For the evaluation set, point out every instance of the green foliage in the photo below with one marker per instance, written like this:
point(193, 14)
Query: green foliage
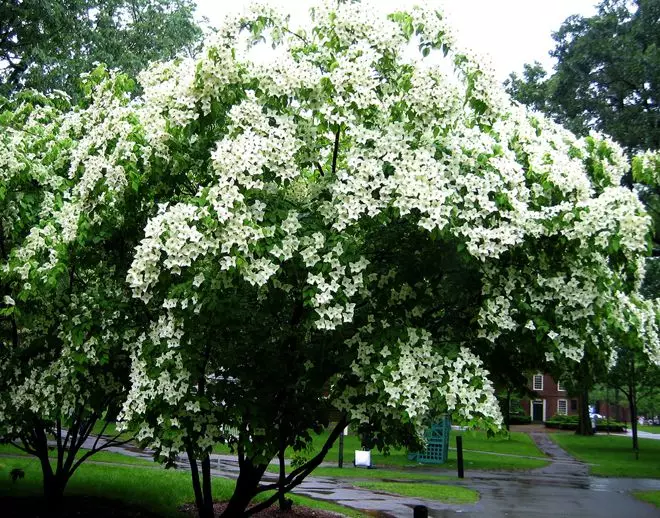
point(570, 422)
point(607, 76)
point(47, 45)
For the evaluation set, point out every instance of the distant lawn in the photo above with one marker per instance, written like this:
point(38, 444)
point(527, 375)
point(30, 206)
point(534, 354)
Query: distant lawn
point(518, 444)
point(649, 428)
point(102, 456)
point(157, 490)
point(652, 497)
point(612, 456)
point(111, 431)
point(446, 494)
point(350, 472)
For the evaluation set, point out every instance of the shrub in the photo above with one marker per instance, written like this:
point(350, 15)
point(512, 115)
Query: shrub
point(570, 422)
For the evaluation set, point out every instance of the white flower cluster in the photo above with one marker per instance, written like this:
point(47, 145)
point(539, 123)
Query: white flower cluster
point(412, 376)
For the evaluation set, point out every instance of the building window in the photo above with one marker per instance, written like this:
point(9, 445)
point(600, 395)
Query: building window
point(562, 407)
point(560, 387)
point(538, 382)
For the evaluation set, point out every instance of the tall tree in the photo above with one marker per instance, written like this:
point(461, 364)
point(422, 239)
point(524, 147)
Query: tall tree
point(607, 75)
point(48, 44)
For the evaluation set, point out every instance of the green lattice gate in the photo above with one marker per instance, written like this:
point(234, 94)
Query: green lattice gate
point(437, 444)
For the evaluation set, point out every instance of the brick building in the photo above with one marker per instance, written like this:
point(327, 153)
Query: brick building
point(551, 398)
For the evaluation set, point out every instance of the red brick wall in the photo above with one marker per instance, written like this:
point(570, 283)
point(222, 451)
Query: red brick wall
point(551, 395)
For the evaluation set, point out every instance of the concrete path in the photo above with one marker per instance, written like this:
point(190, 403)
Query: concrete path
point(561, 489)
point(640, 433)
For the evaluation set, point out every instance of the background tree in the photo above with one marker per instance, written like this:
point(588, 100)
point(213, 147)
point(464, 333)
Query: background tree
point(47, 44)
point(607, 75)
point(607, 79)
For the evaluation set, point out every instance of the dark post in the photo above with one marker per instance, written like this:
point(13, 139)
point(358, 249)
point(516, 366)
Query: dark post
point(420, 511)
point(459, 455)
point(340, 460)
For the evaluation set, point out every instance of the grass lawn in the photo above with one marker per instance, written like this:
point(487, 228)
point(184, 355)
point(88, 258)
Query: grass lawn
point(612, 456)
point(111, 431)
point(157, 490)
point(102, 456)
point(348, 471)
point(446, 494)
point(652, 497)
point(649, 428)
point(518, 444)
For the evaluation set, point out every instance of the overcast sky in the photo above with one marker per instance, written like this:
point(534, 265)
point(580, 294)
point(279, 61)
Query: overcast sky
point(512, 32)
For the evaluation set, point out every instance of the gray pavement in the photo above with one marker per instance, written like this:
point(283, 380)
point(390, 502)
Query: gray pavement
point(561, 489)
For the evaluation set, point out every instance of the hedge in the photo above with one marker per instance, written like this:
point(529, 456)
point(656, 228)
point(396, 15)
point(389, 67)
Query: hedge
point(570, 422)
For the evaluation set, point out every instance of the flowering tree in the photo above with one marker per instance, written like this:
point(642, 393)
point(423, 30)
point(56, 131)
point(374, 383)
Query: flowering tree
point(67, 314)
point(342, 226)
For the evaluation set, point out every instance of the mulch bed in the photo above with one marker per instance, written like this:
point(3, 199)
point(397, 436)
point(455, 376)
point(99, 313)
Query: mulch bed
point(72, 506)
point(274, 510)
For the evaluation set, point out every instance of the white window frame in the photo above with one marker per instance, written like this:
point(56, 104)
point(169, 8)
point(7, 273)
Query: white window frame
point(534, 381)
point(565, 406)
point(560, 388)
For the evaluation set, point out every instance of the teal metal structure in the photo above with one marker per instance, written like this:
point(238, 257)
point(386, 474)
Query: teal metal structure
point(437, 444)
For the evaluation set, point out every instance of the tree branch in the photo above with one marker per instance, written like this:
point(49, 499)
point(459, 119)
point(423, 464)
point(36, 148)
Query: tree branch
point(335, 152)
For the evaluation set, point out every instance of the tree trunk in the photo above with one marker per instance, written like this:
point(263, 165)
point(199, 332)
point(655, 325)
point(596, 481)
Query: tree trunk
point(206, 486)
point(285, 503)
point(203, 496)
point(507, 413)
point(633, 421)
point(246, 485)
point(584, 423)
point(54, 485)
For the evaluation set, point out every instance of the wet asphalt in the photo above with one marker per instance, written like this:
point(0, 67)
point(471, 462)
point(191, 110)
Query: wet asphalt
point(561, 489)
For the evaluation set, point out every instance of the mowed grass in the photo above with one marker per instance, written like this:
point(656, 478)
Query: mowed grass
point(350, 472)
point(111, 431)
point(612, 456)
point(652, 497)
point(649, 428)
point(446, 494)
point(102, 456)
point(156, 490)
point(494, 457)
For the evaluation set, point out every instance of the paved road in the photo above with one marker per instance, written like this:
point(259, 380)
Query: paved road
point(562, 489)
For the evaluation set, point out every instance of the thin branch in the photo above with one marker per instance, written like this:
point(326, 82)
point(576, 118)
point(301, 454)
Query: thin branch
point(320, 169)
point(25, 447)
point(304, 40)
point(98, 435)
point(298, 474)
point(335, 152)
point(89, 453)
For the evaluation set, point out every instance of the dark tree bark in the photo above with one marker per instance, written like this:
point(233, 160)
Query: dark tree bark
point(204, 505)
point(246, 488)
point(584, 423)
point(206, 487)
